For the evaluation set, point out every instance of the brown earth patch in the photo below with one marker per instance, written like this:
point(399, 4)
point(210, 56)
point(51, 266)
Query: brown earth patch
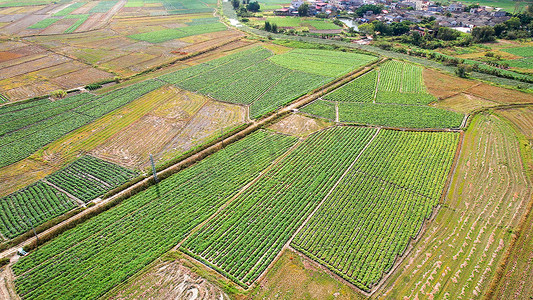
point(81, 78)
point(522, 118)
point(299, 125)
point(464, 103)
point(443, 86)
point(4, 56)
point(499, 94)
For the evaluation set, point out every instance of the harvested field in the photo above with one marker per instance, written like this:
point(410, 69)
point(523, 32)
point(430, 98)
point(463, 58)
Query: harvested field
point(81, 78)
point(31, 90)
point(132, 146)
point(4, 55)
point(443, 86)
point(293, 276)
point(210, 121)
point(169, 280)
point(22, 174)
point(461, 248)
point(522, 118)
point(299, 125)
point(464, 103)
point(41, 63)
point(499, 94)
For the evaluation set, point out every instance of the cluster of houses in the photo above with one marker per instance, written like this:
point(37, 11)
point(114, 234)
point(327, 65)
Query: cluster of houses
point(453, 15)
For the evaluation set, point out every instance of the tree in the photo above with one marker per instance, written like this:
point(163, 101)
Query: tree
point(382, 28)
point(253, 6)
point(447, 34)
point(499, 29)
point(274, 28)
point(399, 28)
point(483, 34)
point(376, 9)
point(513, 23)
point(463, 70)
point(59, 94)
point(267, 26)
point(235, 4)
point(416, 38)
point(366, 28)
point(303, 10)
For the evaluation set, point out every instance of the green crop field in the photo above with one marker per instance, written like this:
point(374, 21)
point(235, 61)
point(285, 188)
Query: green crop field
point(296, 22)
point(255, 77)
point(379, 206)
point(90, 177)
point(315, 61)
point(362, 89)
point(171, 34)
point(44, 23)
point(114, 245)
point(26, 127)
point(31, 206)
point(520, 51)
point(405, 116)
point(244, 239)
point(85, 179)
point(321, 108)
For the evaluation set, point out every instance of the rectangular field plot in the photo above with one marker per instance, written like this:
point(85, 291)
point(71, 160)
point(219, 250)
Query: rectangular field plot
point(243, 239)
point(32, 205)
point(112, 246)
point(90, 177)
point(322, 62)
point(362, 89)
point(24, 128)
point(171, 34)
point(401, 116)
point(380, 205)
point(252, 77)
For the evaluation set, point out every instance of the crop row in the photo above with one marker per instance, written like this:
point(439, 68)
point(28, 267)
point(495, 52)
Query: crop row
point(90, 177)
point(379, 206)
point(80, 20)
point(170, 34)
point(32, 205)
point(243, 239)
point(322, 62)
point(104, 251)
point(34, 125)
point(324, 109)
point(392, 115)
point(362, 89)
point(396, 76)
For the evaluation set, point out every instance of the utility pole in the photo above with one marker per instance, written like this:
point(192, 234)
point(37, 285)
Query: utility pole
point(34, 232)
point(153, 168)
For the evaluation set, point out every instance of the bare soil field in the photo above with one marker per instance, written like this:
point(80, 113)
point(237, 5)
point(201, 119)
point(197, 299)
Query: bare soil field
point(133, 145)
point(522, 118)
point(443, 86)
point(464, 244)
point(300, 125)
point(293, 276)
point(464, 103)
point(169, 280)
point(500, 95)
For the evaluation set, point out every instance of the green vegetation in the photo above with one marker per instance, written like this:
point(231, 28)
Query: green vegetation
point(90, 177)
point(520, 51)
point(32, 205)
point(298, 22)
point(44, 23)
point(3, 99)
point(380, 205)
point(112, 246)
point(362, 89)
point(321, 108)
point(81, 20)
point(243, 239)
point(69, 9)
point(404, 116)
point(102, 6)
point(170, 34)
point(322, 62)
point(250, 77)
point(26, 127)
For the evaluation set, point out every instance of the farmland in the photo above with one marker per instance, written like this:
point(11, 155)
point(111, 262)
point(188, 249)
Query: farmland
point(390, 97)
point(190, 196)
point(83, 180)
point(286, 169)
point(242, 244)
point(462, 247)
point(379, 193)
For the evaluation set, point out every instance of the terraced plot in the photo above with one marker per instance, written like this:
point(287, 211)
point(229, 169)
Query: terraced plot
point(264, 82)
point(107, 249)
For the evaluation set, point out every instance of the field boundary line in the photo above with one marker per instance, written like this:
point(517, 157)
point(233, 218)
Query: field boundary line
point(377, 85)
point(287, 245)
point(242, 190)
point(80, 203)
